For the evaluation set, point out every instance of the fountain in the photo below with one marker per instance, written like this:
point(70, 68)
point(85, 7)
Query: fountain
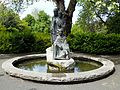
point(59, 65)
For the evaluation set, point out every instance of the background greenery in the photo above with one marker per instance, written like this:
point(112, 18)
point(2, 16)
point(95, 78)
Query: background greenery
point(96, 31)
point(95, 43)
point(23, 36)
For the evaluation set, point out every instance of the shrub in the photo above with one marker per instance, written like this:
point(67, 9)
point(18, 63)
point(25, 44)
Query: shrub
point(42, 42)
point(23, 42)
point(95, 43)
point(16, 42)
point(5, 45)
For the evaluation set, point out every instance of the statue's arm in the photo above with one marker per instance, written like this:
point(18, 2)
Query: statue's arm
point(57, 43)
point(51, 28)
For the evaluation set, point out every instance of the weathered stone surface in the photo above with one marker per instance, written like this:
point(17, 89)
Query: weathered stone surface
point(106, 69)
point(61, 65)
point(49, 53)
point(58, 65)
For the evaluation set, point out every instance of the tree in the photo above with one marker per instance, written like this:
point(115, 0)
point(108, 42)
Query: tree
point(10, 21)
point(7, 17)
point(94, 13)
point(68, 13)
point(30, 19)
point(44, 22)
point(113, 24)
point(40, 24)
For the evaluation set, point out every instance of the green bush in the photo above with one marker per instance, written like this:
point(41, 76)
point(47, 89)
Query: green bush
point(16, 42)
point(42, 41)
point(5, 45)
point(23, 42)
point(95, 43)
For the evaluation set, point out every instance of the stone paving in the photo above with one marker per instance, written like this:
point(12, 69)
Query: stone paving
point(109, 83)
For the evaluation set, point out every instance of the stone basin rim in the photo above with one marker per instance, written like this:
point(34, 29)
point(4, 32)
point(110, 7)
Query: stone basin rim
point(106, 69)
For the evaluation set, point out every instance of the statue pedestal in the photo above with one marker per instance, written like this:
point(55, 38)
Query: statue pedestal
point(58, 65)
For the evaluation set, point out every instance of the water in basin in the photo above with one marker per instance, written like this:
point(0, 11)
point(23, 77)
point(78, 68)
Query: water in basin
point(40, 65)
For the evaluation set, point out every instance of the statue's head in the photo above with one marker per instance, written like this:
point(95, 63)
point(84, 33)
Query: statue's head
point(56, 12)
point(60, 15)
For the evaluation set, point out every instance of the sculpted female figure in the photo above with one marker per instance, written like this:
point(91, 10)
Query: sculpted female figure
point(54, 25)
point(61, 48)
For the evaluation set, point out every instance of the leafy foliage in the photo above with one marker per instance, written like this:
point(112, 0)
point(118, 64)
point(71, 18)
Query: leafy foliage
point(23, 42)
point(42, 24)
point(67, 11)
point(15, 42)
point(94, 14)
point(16, 35)
point(76, 29)
point(30, 19)
point(95, 43)
point(10, 21)
point(113, 24)
point(42, 41)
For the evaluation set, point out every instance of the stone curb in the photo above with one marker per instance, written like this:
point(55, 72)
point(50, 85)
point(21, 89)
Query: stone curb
point(104, 70)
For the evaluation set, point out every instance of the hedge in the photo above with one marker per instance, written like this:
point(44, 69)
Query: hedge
point(95, 43)
point(23, 42)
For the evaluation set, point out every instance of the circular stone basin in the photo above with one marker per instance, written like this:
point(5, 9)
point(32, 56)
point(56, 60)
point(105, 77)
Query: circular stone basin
point(98, 68)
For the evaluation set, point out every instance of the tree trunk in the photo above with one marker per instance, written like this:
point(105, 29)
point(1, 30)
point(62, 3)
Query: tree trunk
point(60, 4)
point(68, 14)
point(68, 25)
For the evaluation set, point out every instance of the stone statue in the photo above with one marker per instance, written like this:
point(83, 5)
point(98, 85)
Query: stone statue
point(60, 22)
point(58, 55)
point(54, 25)
point(61, 48)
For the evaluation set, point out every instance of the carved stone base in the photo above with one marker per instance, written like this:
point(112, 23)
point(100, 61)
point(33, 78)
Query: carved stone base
point(58, 65)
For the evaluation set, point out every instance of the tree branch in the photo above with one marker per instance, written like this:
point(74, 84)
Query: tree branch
point(68, 14)
point(71, 7)
point(100, 17)
point(97, 13)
